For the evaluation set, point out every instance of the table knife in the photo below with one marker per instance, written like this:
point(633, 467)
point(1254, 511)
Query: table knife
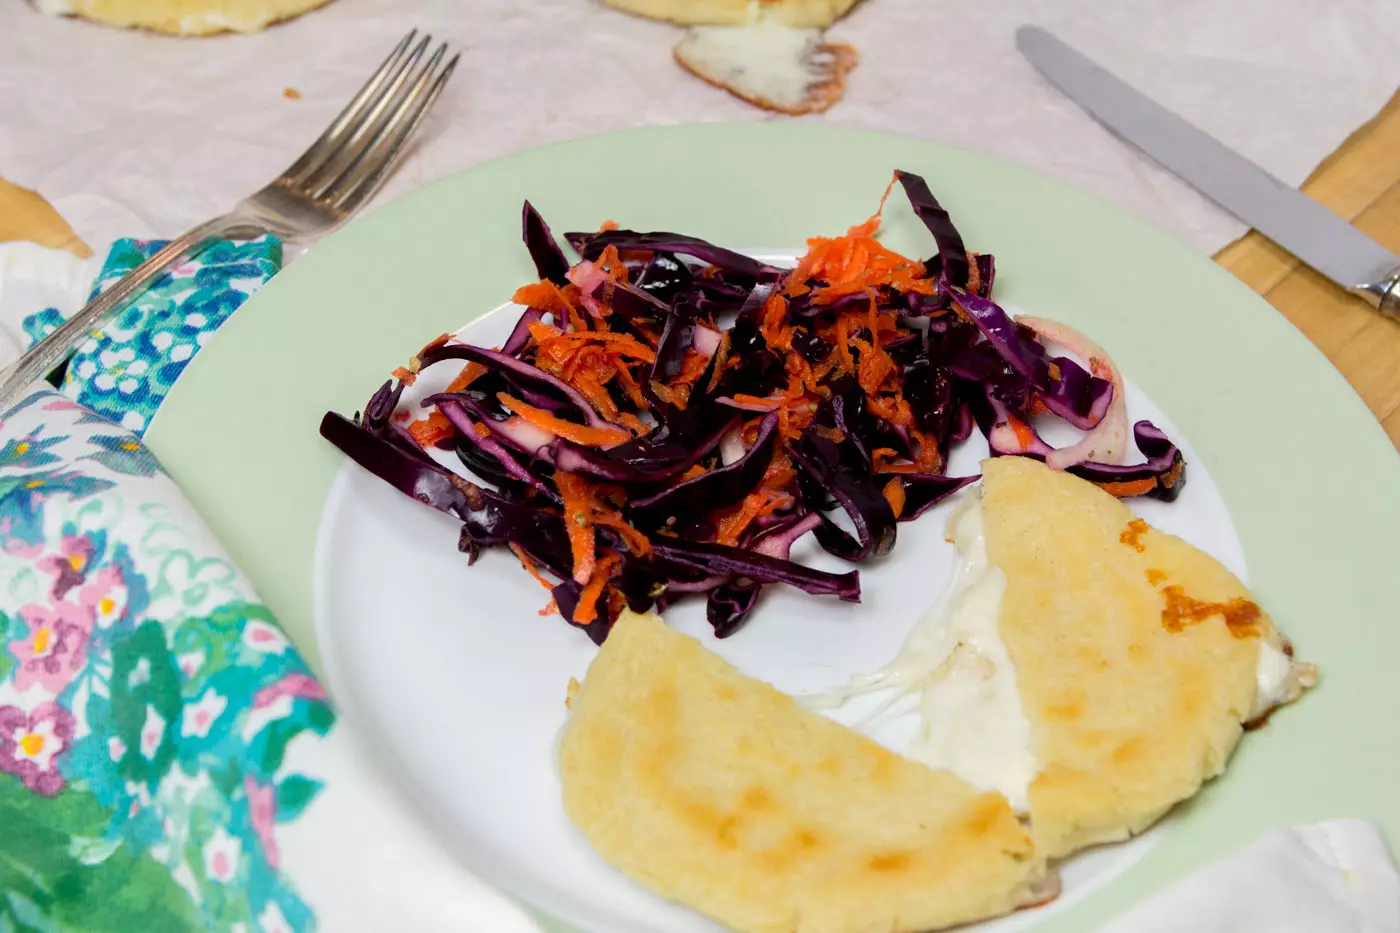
point(1284, 214)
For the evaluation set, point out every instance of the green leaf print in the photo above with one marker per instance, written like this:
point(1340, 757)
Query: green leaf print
point(46, 888)
point(276, 736)
point(216, 636)
point(293, 794)
point(145, 703)
point(121, 453)
point(7, 632)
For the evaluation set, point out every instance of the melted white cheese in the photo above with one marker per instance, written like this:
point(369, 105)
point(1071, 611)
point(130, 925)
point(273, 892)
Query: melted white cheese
point(957, 666)
point(764, 61)
point(1276, 680)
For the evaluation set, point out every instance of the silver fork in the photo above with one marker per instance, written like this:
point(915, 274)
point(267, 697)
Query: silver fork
point(317, 193)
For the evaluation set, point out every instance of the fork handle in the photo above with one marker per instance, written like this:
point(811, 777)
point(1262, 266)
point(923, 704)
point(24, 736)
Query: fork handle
point(53, 349)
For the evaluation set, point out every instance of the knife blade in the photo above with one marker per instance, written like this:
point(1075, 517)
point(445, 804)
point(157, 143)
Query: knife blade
point(1284, 214)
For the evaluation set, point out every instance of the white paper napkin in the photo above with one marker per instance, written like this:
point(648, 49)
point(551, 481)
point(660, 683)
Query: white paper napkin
point(33, 277)
point(1331, 877)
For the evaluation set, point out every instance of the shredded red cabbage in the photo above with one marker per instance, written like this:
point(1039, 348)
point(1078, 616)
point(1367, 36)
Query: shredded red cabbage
point(668, 416)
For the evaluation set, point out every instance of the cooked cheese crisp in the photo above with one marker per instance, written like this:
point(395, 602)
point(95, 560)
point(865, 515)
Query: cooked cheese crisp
point(183, 17)
point(716, 790)
point(776, 67)
point(1138, 656)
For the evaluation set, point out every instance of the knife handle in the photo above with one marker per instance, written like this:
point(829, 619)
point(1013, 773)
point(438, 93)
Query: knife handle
point(1383, 293)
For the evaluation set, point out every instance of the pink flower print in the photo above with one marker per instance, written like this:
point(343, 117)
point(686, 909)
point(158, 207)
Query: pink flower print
point(62, 404)
point(69, 565)
point(17, 548)
point(152, 730)
point(262, 812)
point(30, 745)
point(263, 637)
point(293, 685)
point(115, 747)
point(54, 650)
point(104, 596)
point(199, 716)
point(222, 853)
point(190, 663)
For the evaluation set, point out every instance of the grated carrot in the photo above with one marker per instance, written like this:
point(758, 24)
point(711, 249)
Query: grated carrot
point(929, 458)
point(430, 430)
point(466, 377)
point(1133, 487)
point(637, 542)
point(893, 409)
point(587, 383)
point(894, 495)
point(547, 296)
point(678, 397)
point(611, 263)
point(768, 403)
point(578, 523)
point(1024, 435)
point(780, 472)
point(693, 366)
point(629, 384)
point(416, 363)
point(974, 275)
point(560, 345)
point(775, 312)
point(578, 433)
point(853, 263)
point(756, 504)
point(529, 566)
point(586, 612)
point(406, 376)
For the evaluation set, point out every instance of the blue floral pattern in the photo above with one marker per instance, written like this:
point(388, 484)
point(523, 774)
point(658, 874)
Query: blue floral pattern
point(125, 370)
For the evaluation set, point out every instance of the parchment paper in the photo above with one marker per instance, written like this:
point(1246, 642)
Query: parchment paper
point(135, 134)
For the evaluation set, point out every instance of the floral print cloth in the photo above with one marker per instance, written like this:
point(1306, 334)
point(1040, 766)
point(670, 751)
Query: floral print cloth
point(147, 698)
point(167, 760)
point(125, 370)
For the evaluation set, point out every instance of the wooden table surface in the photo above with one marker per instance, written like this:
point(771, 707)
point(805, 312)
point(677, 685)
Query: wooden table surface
point(1360, 181)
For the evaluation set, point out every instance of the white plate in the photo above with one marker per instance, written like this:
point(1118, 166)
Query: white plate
point(461, 684)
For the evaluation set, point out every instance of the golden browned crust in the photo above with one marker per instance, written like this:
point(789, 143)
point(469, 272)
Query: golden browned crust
point(821, 94)
point(192, 17)
point(717, 790)
point(1135, 654)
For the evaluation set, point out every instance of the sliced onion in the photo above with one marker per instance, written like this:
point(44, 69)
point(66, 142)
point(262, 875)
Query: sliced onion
point(731, 446)
point(705, 341)
point(1107, 442)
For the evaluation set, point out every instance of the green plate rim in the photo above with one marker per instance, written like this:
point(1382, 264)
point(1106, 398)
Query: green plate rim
point(1311, 480)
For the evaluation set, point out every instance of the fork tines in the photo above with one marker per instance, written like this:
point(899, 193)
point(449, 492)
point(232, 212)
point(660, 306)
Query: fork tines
point(359, 150)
